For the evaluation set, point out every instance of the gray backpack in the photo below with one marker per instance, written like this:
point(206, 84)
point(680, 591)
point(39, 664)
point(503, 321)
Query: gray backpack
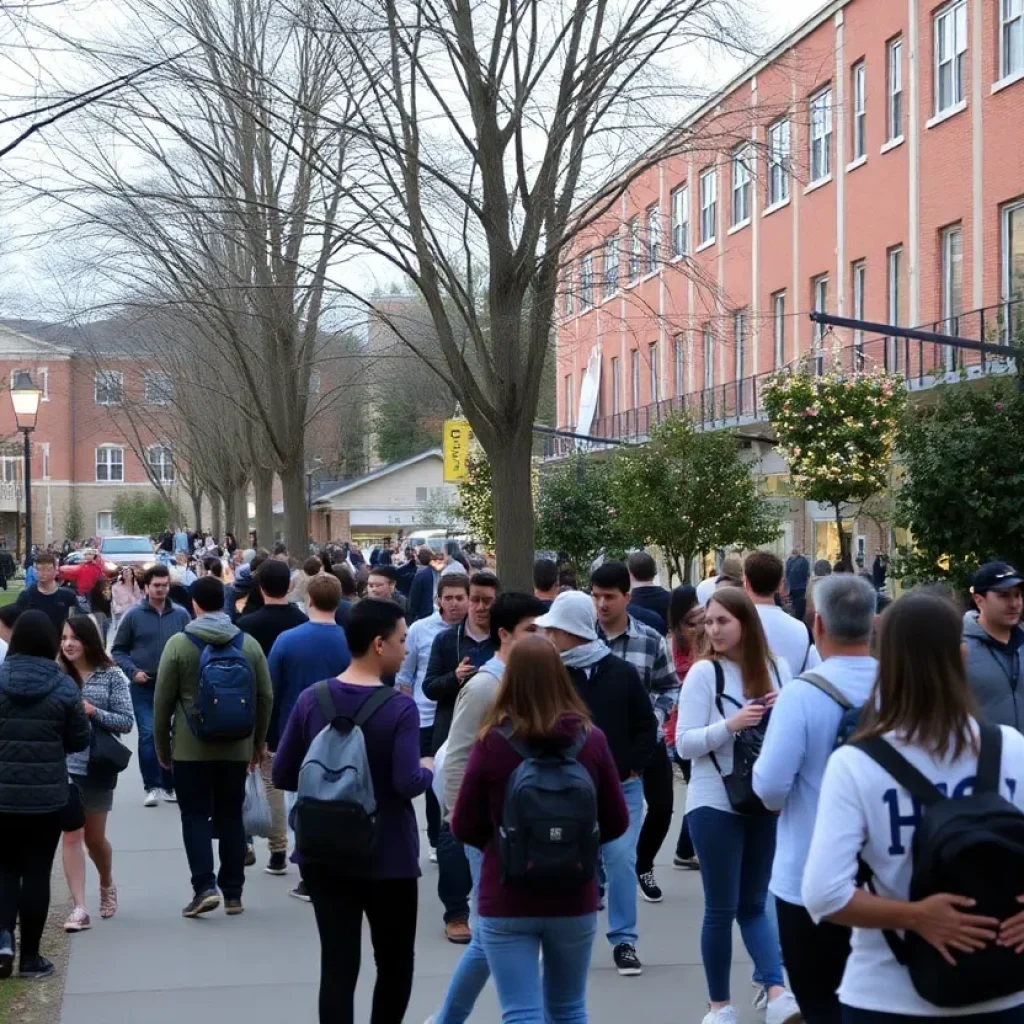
point(335, 814)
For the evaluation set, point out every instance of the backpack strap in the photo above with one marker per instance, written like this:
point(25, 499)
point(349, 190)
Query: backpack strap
point(819, 682)
point(377, 699)
point(322, 692)
point(892, 761)
point(522, 749)
point(990, 759)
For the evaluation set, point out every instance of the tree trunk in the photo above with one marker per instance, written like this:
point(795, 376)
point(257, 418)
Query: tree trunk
point(263, 486)
point(230, 514)
point(217, 526)
point(845, 555)
point(513, 512)
point(239, 526)
point(296, 520)
point(197, 510)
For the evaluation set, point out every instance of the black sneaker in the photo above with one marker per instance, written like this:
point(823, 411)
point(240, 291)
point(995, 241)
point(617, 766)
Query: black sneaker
point(686, 863)
point(233, 907)
point(250, 856)
point(6, 954)
point(278, 863)
point(300, 892)
point(35, 967)
point(649, 888)
point(626, 961)
point(202, 903)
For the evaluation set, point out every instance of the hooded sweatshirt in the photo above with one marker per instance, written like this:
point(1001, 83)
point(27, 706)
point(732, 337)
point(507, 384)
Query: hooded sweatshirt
point(41, 721)
point(176, 685)
point(993, 673)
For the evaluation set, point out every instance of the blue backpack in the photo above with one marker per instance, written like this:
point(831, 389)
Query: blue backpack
point(225, 702)
point(852, 714)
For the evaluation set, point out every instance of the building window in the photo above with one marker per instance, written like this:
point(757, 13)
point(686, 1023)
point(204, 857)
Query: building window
point(110, 464)
point(586, 282)
point(45, 449)
point(858, 283)
point(778, 162)
point(894, 288)
point(635, 377)
point(653, 238)
point(821, 135)
point(568, 400)
point(740, 186)
point(708, 205)
point(779, 327)
point(568, 299)
point(104, 524)
point(709, 358)
point(739, 334)
point(679, 362)
point(894, 91)
point(636, 249)
point(860, 140)
point(9, 468)
point(950, 55)
point(681, 221)
point(421, 494)
point(819, 302)
point(43, 380)
point(1012, 271)
point(616, 386)
point(952, 289)
point(158, 389)
point(611, 266)
point(108, 387)
point(161, 465)
point(1012, 37)
point(652, 358)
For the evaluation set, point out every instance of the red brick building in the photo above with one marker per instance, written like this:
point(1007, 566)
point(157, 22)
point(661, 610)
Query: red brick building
point(870, 166)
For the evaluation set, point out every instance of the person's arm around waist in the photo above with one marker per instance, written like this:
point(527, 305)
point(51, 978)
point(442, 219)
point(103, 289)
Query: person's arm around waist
point(784, 750)
point(120, 717)
point(408, 776)
point(696, 734)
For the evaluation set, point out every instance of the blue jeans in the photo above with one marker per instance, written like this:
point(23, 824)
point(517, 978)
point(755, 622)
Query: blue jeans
point(619, 860)
point(513, 946)
point(736, 853)
point(153, 776)
point(472, 972)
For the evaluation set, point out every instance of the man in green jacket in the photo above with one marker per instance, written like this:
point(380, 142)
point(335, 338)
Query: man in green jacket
point(209, 774)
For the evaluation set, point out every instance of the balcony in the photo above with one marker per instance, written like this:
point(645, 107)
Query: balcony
point(924, 365)
point(10, 496)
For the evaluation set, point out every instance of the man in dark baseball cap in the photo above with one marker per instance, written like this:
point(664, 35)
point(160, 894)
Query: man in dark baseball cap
point(994, 637)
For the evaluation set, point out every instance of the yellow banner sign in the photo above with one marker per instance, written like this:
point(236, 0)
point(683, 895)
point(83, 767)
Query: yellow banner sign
point(457, 437)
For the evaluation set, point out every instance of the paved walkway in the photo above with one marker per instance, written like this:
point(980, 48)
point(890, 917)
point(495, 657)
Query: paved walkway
point(150, 966)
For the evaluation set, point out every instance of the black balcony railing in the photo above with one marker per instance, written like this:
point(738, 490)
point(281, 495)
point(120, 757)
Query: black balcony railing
point(923, 363)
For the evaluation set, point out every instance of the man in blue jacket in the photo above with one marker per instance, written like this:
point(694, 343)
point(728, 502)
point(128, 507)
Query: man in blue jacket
point(141, 638)
point(420, 604)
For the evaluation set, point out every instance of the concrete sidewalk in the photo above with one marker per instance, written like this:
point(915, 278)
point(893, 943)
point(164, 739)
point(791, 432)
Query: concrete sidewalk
point(151, 966)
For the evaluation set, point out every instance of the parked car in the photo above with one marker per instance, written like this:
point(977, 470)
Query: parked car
point(115, 553)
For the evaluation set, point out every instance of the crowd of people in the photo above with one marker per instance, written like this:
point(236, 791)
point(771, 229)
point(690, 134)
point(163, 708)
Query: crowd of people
point(838, 760)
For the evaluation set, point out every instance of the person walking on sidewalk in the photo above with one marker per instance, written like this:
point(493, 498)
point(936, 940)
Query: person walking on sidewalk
point(620, 708)
point(141, 637)
point(108, 703)
point(42, 720)
point(45, 596)
point(383, 889)
point(210, 773)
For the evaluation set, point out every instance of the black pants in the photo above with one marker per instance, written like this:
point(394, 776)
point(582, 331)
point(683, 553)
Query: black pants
point(815, 957)
point(390, 906)
point(454, 881)
point(210, 797)
point(1011, 1016)
point(658, 787)
point(798, 604)
point(433, 807)
point(26, 859)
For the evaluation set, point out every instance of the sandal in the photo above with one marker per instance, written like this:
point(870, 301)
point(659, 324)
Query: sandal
point(108, 901)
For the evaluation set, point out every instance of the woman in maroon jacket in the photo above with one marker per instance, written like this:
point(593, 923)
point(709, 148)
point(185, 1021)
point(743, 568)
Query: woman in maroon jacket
point(540, 705)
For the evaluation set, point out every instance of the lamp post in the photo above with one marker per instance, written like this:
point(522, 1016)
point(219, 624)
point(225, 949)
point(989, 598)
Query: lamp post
point(25, 398)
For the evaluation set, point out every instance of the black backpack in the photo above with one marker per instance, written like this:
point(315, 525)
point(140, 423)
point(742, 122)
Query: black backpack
point(549, 834)
point(969, 846)
point(852, 713)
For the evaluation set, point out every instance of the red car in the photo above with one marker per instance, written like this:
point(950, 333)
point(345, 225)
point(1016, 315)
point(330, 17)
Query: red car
point(114, 552)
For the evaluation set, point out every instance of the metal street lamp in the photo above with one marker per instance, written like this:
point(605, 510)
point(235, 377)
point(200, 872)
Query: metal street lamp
point(25, 398)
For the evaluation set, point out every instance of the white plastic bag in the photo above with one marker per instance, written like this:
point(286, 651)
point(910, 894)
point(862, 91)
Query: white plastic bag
point(438, 783)
point(256, 807)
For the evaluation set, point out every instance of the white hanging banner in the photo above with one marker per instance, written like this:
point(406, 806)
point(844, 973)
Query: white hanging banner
point(590, 392)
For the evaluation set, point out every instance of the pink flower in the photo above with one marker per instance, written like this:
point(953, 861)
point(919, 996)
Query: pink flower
point(1000, 406)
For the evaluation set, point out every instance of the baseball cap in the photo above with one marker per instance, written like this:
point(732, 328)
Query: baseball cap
point(573, 612)
point(996, 576)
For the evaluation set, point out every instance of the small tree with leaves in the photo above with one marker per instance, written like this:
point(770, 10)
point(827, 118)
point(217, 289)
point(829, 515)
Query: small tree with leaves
point(687, 492)
point(476, 499)
point(145, 514)
point(837, 432)
point(74, 521)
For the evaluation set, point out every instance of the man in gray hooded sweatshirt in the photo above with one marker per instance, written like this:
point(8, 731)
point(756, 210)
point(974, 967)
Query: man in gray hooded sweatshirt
point(994, 637)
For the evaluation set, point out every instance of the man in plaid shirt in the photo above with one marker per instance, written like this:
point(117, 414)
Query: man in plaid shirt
point(646, 650)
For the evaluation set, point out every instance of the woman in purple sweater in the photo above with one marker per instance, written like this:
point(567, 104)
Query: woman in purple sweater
point(383, 889)
point(540, 704)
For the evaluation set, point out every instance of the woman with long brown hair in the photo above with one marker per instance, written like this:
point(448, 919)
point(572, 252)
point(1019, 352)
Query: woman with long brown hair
point(923, 711)
point(108, 703)
point(729, 692)
point(538, 718)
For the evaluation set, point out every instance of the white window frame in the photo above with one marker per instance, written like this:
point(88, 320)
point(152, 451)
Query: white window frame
point(634, 376)
point(893, 271)
point(950, 51)
point(858, 287)
point(739, 338)
point(653, 357)
point(1011, 38)
point(681, 221)
point(1006, 276)
point(819, 303)
point(44, 448)
point(709, 358)
point(106, 379)
point(616, 385)
point(779, 328)
point(610, 268)
point(820, 135)
point(43, 380)
point(10, 468)
point(162, 467)
point(108, 463)
point(105, 531)
point(653, 218)
point(587, 282)
point(741, 186)
point(568, 400)
point(859, 120)
point(569, 302)
point(894, 89)
point(708, 205)
point(636, 249)
point(778, 162)
point(951, 316)
point(679, 365)
point(158, 388)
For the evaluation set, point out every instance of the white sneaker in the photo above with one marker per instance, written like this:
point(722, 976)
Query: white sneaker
point(723, 1015)
point(152, 798)
point(433, 860)
point(169, 796)
point(783, 1010)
